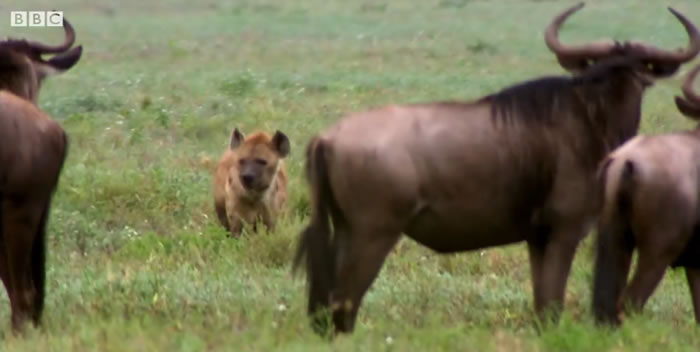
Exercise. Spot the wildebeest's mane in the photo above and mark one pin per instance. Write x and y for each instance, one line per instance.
(10, 61)
(13, 68)
(538, 100)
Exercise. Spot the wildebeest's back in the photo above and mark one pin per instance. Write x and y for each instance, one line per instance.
(417, 164)
(32, 145)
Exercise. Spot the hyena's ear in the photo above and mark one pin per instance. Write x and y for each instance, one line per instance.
(281, 143)
(236, 138)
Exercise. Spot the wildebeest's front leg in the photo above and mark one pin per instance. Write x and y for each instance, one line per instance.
(536, 253)
(550, 260)
(693, 276)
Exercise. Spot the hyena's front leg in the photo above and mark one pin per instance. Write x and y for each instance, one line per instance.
(236, 226)
(234, 220)
(268, 219)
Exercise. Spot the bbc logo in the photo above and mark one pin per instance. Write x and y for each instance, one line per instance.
(36, 18)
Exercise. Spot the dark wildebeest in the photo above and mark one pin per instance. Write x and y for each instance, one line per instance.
(652, 202)
(517, 165)
(32, 151)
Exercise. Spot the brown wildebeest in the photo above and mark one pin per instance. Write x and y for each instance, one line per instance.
(32, 150)
(652, 202)
(516, 165)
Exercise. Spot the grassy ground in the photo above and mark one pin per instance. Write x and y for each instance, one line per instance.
(136, 259)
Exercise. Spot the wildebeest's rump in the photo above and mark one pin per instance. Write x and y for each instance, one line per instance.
(517, 165)
(651, 190)
(33, 149)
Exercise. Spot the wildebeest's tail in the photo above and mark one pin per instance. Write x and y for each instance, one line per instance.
(316, 245)
(614, 239)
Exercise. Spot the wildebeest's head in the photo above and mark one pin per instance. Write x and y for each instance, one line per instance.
(604, 97)
(652, 62)
(690, 104)
(22, 67)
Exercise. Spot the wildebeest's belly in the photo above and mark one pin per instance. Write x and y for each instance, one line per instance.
(459, 227)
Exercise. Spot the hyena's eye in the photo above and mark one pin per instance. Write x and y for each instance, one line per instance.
(261, 162)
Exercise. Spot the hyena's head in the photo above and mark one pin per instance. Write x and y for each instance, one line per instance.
(257, 159)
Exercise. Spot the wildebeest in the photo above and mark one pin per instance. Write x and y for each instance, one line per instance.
(32, 151)
(250, 183)
(516, 165)
(651, 202)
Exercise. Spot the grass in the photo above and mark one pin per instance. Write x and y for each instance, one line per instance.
(136, 258)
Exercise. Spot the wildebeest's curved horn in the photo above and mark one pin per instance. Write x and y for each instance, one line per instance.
(651, 53)
(573, 56)
(688, 86)
(48, 49)
(690, 105)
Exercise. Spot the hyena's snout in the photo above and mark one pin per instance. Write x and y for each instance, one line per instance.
(248, 180)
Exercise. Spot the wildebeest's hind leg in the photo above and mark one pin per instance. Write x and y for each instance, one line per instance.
(693, 276)
(614, 247)
(653, 260)
(4, 273)
(359, 264)
(551, 261)
(20, 222)
(39, 264)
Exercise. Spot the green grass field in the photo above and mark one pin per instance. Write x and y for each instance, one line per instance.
(137, 261)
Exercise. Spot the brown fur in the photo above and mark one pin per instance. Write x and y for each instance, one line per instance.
(651, 203)
(33, 149)
(264, 200)
(519, 165)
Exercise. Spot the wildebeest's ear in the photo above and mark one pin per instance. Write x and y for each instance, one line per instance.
(687, 108)
(236, 138)
(60, 62)
(281, 143)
